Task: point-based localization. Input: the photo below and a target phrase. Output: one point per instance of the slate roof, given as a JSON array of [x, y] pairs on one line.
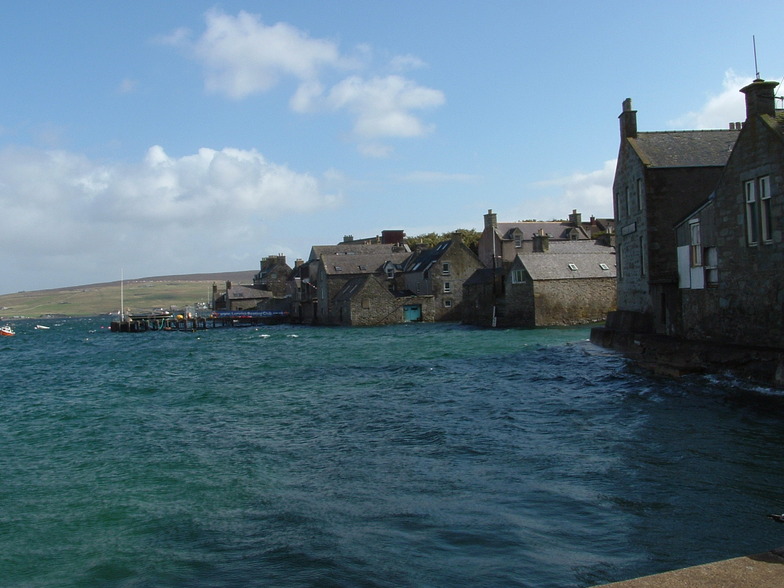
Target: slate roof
[[684, 148], [422, 260], [556, 229], [556, 266], [246, 292], [355, 249], [353, 264], [578, 246]]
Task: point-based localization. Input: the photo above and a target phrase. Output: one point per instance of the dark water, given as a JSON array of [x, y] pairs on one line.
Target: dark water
[[417, 455]]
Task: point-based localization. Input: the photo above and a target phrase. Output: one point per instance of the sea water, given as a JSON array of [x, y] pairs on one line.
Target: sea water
[[411, 455]]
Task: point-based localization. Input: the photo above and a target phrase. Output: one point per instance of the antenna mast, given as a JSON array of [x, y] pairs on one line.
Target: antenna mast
[[754, 42]]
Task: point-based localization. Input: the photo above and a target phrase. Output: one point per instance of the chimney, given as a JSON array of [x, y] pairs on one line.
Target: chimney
[[760, 98], [628, 120], [298, 262], [348, 238], [576, 218], [491, 221], [541, 242]]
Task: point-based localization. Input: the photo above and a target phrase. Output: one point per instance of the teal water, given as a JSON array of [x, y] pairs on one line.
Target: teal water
[[413, 455]]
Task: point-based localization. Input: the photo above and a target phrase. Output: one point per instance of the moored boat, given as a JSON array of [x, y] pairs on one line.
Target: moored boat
[[7, 331], [41, 328]]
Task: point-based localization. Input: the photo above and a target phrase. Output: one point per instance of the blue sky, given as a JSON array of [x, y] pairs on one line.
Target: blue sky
[[183, 136]]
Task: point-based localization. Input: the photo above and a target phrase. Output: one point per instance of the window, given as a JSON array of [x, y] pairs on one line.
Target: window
[[766, 223], [604, 266], [695, 249], [448, 303], [447, 287], [643, 259], [711, 266], [751, 213], [390, 273], [445, 268], [572, 267], [639, 194], [517, 276], [518, 240]]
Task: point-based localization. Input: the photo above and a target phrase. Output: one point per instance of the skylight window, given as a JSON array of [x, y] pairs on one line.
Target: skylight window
[[604, 266], [572, 267]]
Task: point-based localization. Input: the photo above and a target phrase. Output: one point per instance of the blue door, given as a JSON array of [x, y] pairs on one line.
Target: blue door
[[412, 312]]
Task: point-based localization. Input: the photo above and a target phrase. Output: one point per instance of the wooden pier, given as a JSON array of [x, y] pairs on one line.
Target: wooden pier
[[215, 320]]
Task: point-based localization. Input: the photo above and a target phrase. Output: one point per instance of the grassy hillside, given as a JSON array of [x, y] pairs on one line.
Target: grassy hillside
[[139, 295]]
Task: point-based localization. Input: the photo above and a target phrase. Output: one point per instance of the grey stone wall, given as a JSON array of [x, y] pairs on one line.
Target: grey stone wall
[[570, 302]]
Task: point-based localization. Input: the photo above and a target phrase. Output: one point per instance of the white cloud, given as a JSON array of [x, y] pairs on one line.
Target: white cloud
[[720, 109], [242, 56], [588, 192], [70, 214]]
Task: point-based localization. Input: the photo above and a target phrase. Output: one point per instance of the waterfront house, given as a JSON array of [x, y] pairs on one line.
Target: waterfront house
[[659, 178], [731, 248], [440, 272], [500, 243], [272, 276], [368, 300], [557, 283], [308, 295]]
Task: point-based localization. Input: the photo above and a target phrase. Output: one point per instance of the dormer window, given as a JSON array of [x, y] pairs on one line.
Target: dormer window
[[518, 240]]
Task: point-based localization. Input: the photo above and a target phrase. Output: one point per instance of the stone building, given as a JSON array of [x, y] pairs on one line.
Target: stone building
[[440, 272], [272, 276], [660, 177], [335, 270], [731, 248], [308, 296], [368, 301], [558, 283], [500, 243]]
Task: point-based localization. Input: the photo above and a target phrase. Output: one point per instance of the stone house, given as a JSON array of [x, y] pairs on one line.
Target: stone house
[[558, 283], [659, 178], [440, 272], [500, 243], [335, 270], [272, 276], [730, 250], [237, 297], [366, 300], [303, 282]]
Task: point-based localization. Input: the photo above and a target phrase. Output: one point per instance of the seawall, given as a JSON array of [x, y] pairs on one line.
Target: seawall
[[628, 333]]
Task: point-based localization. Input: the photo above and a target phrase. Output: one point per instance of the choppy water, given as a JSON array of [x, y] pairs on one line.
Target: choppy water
[[416, 455]]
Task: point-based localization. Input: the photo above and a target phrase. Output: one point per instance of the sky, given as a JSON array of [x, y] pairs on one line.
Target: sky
[[168, 137]]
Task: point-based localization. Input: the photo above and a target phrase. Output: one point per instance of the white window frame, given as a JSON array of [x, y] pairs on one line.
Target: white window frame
[[447, 303], [445, 268], [750, 195], [695, 244], [518, 276], [766, 221], [447, 287]]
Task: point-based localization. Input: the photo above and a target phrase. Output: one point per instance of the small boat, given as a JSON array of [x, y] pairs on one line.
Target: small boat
[[42, 328], [7, 331]]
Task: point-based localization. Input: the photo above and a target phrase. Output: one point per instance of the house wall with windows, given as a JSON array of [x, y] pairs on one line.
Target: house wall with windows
[[366, 301], [660, 177], [440, 272], [732, 281]]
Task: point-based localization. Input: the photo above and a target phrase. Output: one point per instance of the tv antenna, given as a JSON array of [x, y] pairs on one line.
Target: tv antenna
[[754, 42]]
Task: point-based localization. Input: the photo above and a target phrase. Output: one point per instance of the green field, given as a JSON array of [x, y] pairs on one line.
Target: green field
[[141, 295]]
